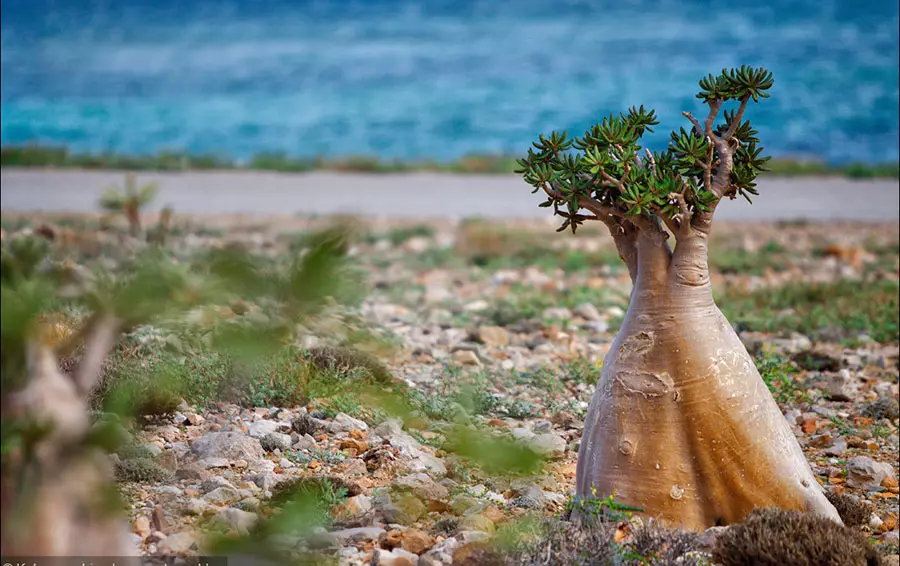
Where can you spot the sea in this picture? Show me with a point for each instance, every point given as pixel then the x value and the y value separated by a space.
pixel 437 79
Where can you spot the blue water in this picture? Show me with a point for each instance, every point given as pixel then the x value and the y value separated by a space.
pixel 438 79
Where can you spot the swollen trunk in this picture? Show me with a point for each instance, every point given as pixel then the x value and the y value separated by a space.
pixel 681 423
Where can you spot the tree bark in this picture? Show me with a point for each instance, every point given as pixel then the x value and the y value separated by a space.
pixel 681 423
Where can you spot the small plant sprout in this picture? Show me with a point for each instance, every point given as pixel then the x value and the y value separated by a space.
pixel 129 201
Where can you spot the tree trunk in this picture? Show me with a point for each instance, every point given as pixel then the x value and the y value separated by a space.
pixel 681 423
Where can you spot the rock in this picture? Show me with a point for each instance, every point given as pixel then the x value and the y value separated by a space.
pixel 548 445
pixel 353 508
pixel 477 306
pixel 228 445
pixel 320 539
pixel 356 467
pixel 141 526
pixel 492 335
pixel 400 508
pixel 885 389
pixel 412 455
pixel 391 539
pixel 437 294
pixel 168 460
pixel 396 557
pixel 222 496
pixel 239 520
pixel 305 442
pixel 588 312
pixel 416 541
pixel 441 554
pixel 193 419
pixel 359 534
pixel 837 449
pixel 461 504
pixel 345 423
pixel 261 428
pixel 466 358
pixel 866 473
pixel 532 497
pixel 276 441
pixel 839 386
pixel 179 544
pixel 422 487
pixel 209 463
pixel 708 538
pixel 853 361
pixel 557 313
pixel 214 482
pixel 542 427
pixel 793 416
pixel 197 507
pixel 477 522
pixel 875 522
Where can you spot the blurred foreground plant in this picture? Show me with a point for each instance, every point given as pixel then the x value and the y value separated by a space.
pixel 58 498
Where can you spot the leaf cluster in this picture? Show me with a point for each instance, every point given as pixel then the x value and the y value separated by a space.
pixel 608 172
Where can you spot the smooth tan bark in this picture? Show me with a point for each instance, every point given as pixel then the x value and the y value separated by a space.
pixel 681 423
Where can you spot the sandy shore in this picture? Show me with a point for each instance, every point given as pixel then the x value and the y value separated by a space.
pixel 415 195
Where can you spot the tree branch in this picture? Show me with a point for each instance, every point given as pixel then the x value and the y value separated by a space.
pixel 622 230
pixel 714 106
pixel 99 343
pixel 670 223
pixel 697 127
pixel 595 206
pixel 735 124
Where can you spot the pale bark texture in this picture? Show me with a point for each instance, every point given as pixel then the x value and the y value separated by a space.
pixel 681 423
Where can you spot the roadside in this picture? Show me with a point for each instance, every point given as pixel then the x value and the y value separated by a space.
pixel 413 195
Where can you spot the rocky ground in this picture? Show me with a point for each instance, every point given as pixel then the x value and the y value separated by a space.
pixel 503 327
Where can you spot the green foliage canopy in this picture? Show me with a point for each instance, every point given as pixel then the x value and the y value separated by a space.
pixel 605 172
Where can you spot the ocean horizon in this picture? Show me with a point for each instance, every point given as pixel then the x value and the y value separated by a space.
pixel 398 79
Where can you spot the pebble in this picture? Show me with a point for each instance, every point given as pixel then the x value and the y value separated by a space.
pixel 228 446
pixel 836 449
pixel 839 386
pixel 548 445
pixel 588 312
pixel 345 423
pixel 866 473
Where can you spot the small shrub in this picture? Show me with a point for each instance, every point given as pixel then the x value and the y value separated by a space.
pixel 141 470
pixel 853 512
pixel 398 236
pixel 561 543
pixel 775 537
pixel 663 546
pixel 317 495
pixel 882 408
pixel 776 372
pixel 303 424
pixel 134 451
pixel 347 362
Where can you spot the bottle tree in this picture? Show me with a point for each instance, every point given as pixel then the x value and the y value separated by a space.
pixel 681 423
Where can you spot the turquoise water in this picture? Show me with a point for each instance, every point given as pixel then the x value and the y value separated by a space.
pixel 433 79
